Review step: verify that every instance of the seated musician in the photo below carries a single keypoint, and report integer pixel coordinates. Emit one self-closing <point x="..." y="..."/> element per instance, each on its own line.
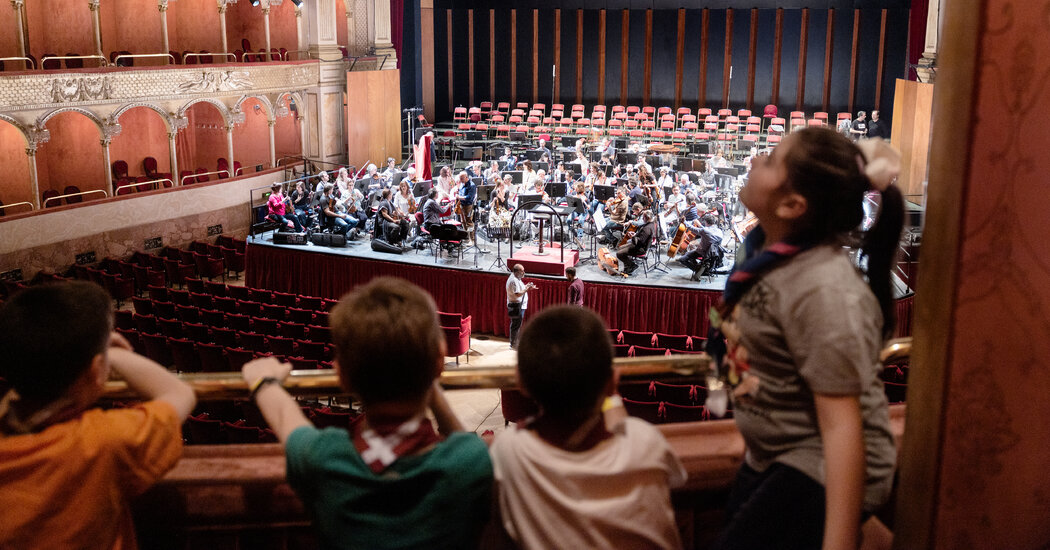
<point x="560" y="173"/>
<point x="411" y="176"/>
<point x="322" y="180"/>
<point x="578" y="190"/>
<point x="638" y="244"/>
<point x="665" y="180"/>
<point x="405" y="203"/>
<point x="433" y="211"/>
<point x="353" y="203"/>
<point x="278" y="211"/>
<point x="543" y="147"/>
<point x="528" y="174"/>
<point x="334" y="214"/>
<point x="499" y="212"/>
<point x="391" y="169"/>
<point x="605" y="159"/>
<point x="538" y="187"/>
<point x="607" y="150"/>
<point x="510" y="160"/>
<point x="580" y="159"/>
<point x="701" y="246"/>
<point x="468" y="193"/>
<point x="473" y="169"/>
<point x="343" y="182"/>
<point x="637" y="193"/>
<point x="492" y="172"/>
<point x="394" y="227"/>
<point x="301" y="203"/>
<point x="444" y="184"/>
<point x="616" y="210"/>
<point x="718" y="160"/>
<point x="691" y="214"/>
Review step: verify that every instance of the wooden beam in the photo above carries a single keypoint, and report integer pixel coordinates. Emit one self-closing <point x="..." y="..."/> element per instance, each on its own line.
<point x="829" y="50"/>
<point x="727" y="65"/>
<point x="601" y="57"/>
<point x="853" y="60"/>
<point x="513" y="58"/>
<point x="448" y="31"/>
<point x="426" y="24"/>
<point x="625" y="49"/>
<point x="800" y="88"/>
<point x="705" y="19"/>
<point x="882" y="53"/>
<point x="535" y="56"/>
<point x="470" y="55"/>
<point x="557" y="56"/>
<point x="679" y="52"/>
<point x="778" y="42"/>
<point x="579" y="56"/>
<point x="752" y="51"/>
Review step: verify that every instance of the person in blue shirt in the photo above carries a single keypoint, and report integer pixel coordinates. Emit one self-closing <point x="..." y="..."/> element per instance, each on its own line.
<point x="468" y="193"/>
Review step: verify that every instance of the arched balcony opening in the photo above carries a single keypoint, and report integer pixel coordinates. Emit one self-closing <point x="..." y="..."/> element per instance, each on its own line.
<point x="16" y="183"/>
<point x="251" y="140"/>
<point x="202" y="146"/>
<point x="140" y="151"/>
<point x="72" y="160"/>
<point x="288" y="132"/>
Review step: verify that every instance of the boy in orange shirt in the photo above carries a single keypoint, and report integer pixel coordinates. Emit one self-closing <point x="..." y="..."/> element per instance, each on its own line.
<point x="67" y="470"/>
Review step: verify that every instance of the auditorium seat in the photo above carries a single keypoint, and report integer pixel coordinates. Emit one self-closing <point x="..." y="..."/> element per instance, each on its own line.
<point x="316" y="333"/>
<point x="325" y="418"/>
<point x="196" y="332"/>
<point x="209" y="267"/>
<point x="233" y="261"/>
<point x="195" y="285"/>
<point x="238" y="321"/>
<point x="295" y="331"/>
<point x="645" y="351"/>
<point x="279" y="345"/>
<point x="635" y="338"/>
<point x="212" y="357"/>
<point x="684" y="413"/>
<point x="202" y="430"/>
<point x="650" y="411"/>
<point x="300" y="363"/>
<point x="184" y="355"/>
<point x="312" y="303"/>
<point x="252" y="341"/>
<point x="265" y="326"/>
<point x="237" y="357"/>
<point x="516" y="406"/>
<point x="678" y="394"/>
<point x="157" y="348"/>
<point x="225" y="337"/>
<point x="676" y="341"/>
<point x="215" y="289"/>
<point x="212" y="317"/>
<point x="172" y="328"/>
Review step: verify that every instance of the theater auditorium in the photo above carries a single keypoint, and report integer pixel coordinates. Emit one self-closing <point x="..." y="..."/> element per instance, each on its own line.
<point x="228" y="170"/>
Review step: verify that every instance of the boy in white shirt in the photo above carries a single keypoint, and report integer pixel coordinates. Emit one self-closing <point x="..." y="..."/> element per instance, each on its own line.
<point x="565" y="479"/>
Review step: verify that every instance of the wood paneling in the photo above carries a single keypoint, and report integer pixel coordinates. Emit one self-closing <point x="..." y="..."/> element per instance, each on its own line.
<point x="778" y="42"/>
<point x="705" y="21"/>
<point x="647" y="73"/>
<point x="625" y="49"/>
<point x="829" y="43"/>
<point x="911" y="133"/>
<point x="803" y="38"/>
<point x="679" y="52"/>
<point x="727" y="66"/>
<point x="751" y="53"/>
<point x="373" y="129"/>
<point x="601" y="56"/>
<point x="426" y="23"/>
<point x="448" y="34"/>
<point x="513" y="57"/>
<point x="470" y="57"/>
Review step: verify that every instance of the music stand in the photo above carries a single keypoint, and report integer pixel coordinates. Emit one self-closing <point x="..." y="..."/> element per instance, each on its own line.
<point x="545" y="166"/>
<point x="534" y="154"/>
<point x="518" y="136"/>
<point x="604" y="192"/>
<point x="421" y="188"/>
<point x="558" y="189"/>
<point x="361" y="186"/>
<point x="515" y="176"/>
<point x="395" y="180"/>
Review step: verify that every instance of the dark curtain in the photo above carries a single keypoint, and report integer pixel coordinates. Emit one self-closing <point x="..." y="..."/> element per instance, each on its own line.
<point x="397" y="26"/>
<point x="670" y="310"/>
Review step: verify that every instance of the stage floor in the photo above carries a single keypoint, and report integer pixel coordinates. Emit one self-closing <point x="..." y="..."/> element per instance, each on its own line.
<point x="676" y="276"/>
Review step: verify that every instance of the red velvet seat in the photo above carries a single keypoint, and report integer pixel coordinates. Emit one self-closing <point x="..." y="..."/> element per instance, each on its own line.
<point x="213" y="358"/>
<point x="635" y="338"/>
<point x="184" y="354"/>
<point x="457" y="334"/>
<point x="516" y="406"/>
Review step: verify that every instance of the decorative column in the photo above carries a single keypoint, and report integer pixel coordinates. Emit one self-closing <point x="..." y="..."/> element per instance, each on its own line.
<point x="178" y="123"/>
<point x="17" y="5"/>
<point x="320" y="16"/>
<point x="383" y="43"/>
<point x="110" y="130"/>
<point x="273" y="146"/>
<point x="299" y="30"/>
<point x="351" y="45"/>
<point x="927" y="64"/>
<point x="222" y="22"/>
<point x="266" y="27"/>
<point x="96" y="25"/>
<point x="229" y="148"/>
<point x="162" y="6"/>
<point x="35" y="136"/>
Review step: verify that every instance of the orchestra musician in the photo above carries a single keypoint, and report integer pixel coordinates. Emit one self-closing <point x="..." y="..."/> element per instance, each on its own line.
<point x="638" y="244"/>
<point x="278" y="211"/>
<point x="665" y="180"/>
<point x="391" y="169"/>
<point x="468" y="193"/>
<point x="301" y="203"/>
<point x="606" y="148"/>
<point x="543" y="147"/>
<point x="538" y="185"/>
<point x="499" y="211"/>
<point x="701" y="247"/>
<point x="404" y="202"/>
<point x="616" y="210"/>
<point x="492" y="173"/>
<point x="444" y="184"/>
<point x="647" y="183"/>
<point x="527" y="174"/>
<point x="411" y="176"/>
<point x="560" y="173"/>
<point x="334" y="214"/>
<point x="510" y="160"/>
<point x="393" y="223"/>
<point x="322" y="181"/>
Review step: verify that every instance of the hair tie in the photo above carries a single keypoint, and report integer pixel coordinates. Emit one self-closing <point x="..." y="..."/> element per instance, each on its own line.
<point x="881" y="162"/>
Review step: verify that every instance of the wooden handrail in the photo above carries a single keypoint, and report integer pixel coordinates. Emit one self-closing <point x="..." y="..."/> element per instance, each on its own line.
<point x="116" y="60"/>
<point x="27" y="59"/>
<point x="102" y="58"/>
<point x="117" y="190"/>
<point x="59" y="197"/>
<point x="3" y="206"/>
<point x="182" y="181"/>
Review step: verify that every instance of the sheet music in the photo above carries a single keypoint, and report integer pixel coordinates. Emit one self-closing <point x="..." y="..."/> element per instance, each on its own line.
<point x="599" y="220"/>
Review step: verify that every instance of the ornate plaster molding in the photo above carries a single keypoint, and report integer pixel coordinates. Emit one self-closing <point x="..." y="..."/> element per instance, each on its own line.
<point x="215" y="81"/>
<point x="83" y="88"/>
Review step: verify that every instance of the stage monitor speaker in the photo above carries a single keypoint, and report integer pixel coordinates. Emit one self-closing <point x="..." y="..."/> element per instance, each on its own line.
<point x="420" y="132"/>
<point x="328" y="239"/>
<point x="379" y="245"/>
<point x="285" y="237"/>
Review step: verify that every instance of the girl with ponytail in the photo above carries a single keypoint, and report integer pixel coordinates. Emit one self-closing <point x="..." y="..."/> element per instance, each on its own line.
<point x="798" y="336"/>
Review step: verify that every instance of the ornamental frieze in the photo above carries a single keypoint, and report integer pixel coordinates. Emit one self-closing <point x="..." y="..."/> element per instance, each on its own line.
<point x="41" y="90"/>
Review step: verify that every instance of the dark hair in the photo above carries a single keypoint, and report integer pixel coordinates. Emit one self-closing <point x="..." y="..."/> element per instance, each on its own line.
<point x="570" y="271"/>
<point x="50" y="334"/>
<point x="388" y="341"/>
<point x="565" y="360"/>
<point x="825" y="167"/>
<point x="709" y="219"/>
<point x="432" y="193"/>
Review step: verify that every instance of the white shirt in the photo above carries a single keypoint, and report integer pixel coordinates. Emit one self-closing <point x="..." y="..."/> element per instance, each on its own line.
<point x="516" y="286"/>
<point x="614" y="495"/>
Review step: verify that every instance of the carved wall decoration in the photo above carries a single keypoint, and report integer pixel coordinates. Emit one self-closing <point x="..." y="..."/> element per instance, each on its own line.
<point x="215" y="81"/>
<point x="64" y="90"/>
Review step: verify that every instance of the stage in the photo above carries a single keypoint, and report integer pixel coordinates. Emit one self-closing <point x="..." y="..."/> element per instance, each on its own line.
<point x="662" y="302"/>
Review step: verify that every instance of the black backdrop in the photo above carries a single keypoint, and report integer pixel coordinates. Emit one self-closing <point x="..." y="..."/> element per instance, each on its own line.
<point x="664" y="37"/>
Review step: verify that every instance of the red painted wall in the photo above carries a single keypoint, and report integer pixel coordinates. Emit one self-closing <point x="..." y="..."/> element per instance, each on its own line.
<point x="287" y="135"/>
<point x="131" y="25"/>
<point x="143" y="135"/>
<point x="282" y="27"/>
<point x="72" y="17"/>
<point x="340" y="23"/>
<point x="194" y="25"/>
<point x="8" y="38"/>
<point x="251" y="140"/>
<point x="204" y="139"/>
<point x="246" y="21"/>
<point x="73" y="155"/>
<point x="15" y="185"/>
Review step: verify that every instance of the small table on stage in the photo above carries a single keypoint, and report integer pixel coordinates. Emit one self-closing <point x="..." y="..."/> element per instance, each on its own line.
<point x="541" y="213"/>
